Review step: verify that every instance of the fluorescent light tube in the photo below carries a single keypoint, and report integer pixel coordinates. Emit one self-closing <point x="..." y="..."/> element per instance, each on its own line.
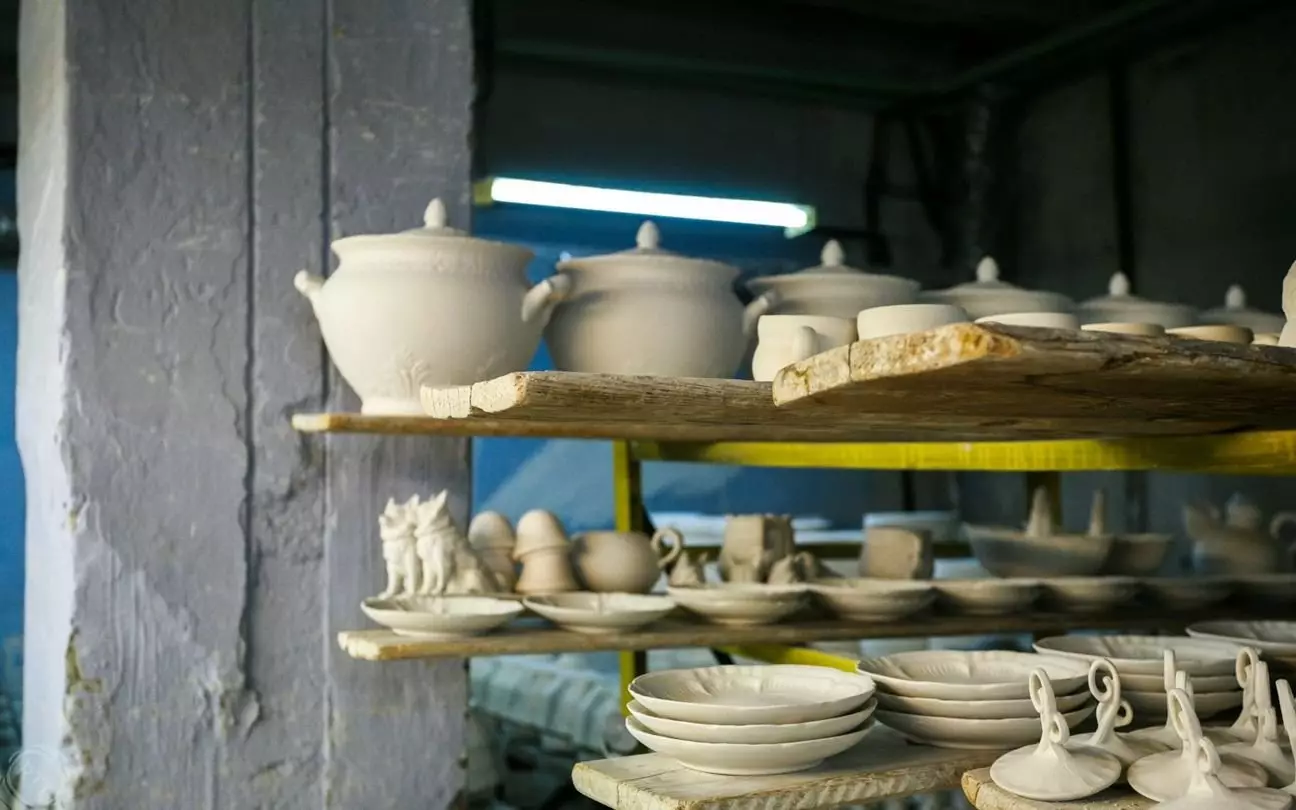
<point x="682" y="206"/>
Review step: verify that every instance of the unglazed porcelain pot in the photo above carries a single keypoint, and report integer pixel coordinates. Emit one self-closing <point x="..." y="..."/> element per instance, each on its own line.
<point x="1121" y="305"/>
<point x="624" y="562"/>
<point x="832" y="289"/>
<point x="988" y="295"/>
<point x="649" y="311"/>
<point x="1236" y="312"/>
<point x="427" y="307"/>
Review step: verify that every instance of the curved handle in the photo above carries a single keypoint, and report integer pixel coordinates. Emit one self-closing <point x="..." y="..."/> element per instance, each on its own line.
<point x="540" y="300"/>
<point x="1041" y="694"/>
<point x="676" y="546"/>
<point x="1183" y="716"/>
<point x="1288" y="708"/>
<point x="805" y="343"/>
<point x="758" y="307"/>
<point x="1279" y="521"/>
<point x="308" y="284"/>
<point x="1113" y="713"/>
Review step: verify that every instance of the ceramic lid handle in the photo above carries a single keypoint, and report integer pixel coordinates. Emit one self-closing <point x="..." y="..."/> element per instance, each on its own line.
<point x="832" y="254"/>
<point x="1119" y="286"/>
<point x="434" y="216"/>
<point x="648" y="237"/>
<point x="1235" y="298"/>
<point x="987" y="269"/>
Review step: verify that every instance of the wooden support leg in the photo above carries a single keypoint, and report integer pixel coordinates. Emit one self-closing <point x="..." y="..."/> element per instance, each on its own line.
<point x="628" y="510"/>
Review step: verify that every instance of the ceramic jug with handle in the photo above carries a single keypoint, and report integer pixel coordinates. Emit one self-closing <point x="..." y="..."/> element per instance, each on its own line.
<point x="1238" y="543"/>
<point x="624" y="562"/>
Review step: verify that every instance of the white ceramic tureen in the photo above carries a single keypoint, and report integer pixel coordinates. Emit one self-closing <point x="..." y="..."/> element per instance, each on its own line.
<point x="833" y="289"/>
<point x="431" y="306"/>
<point x="649" y="311"/>
<point x="1119" y="305"/>
<point x="989" y="296"/>
<point x="1236" y="312"/>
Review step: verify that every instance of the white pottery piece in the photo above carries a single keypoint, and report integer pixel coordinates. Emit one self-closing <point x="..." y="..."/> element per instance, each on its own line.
<point x="1039" y="551"/>
<point x="896" y="552"/>
<point x="596" y="613"/>
<point x="1266" y="338"/>
<point x="735" y="759"/>
<point x="1239" y="543"/>
<point x="1288" y="335"/>
<point x="1088" y="594"/>
<point x="649" y="311"/>
<point x="426" y="554"/>
<point x="1125" y="328"/>
<point x="688" y="570"/>
<point x="1265" y="748"/>
<point x="987" y="597"/>
<point x="741" y="604"/>
<point x="1187" y="593"/>
<point x="437" y="617"/>
<point x="1205" y="791"/>
<point x="1146" y="654"/>
<point x="1049" y="770"/>
<point x="1166" y="776"/>
<point x="1277" y="637"/>
<point x="795" y="568"/>
<point x="904" y="319"/>
<point x="396" y="528"/>
<point x="1288" y="707"/>
<point x="752" y="733"/>
<point x="752" y="543"/>
<point x="1038" y="320"/>
<point x="1009" y="709"/>
<point x="989" y="296"/>
<point x="1236" y="312"/>
<point x="832" y="289"/>
<point x="624" y="562"/>
<point x="428" y="307"/>
<point x="1168" y="734"/>
<point x="1113" y="713"/>
<point x="1132" y="555"/>
<point x="1121" y="305"/>
<point x="787" y="339"/>
<point x="491" y="535"/>
<point x="543" y="550"/>
<point x="746" y="695"/>
<point x="873" y="599"/>
<point x="957" y="732"/>
<point x="970" y="675"/>
<point x="1219" y="333"/>
<point x="1205" y="704"/>
<point x="1156" y="683"/>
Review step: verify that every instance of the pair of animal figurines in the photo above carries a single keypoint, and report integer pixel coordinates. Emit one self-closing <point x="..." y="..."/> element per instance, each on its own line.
<point x="425" y="552"/>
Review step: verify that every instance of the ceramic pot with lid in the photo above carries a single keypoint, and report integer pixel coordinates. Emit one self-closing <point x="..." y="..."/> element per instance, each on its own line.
<point x="1235" y="312"/>
<point x="989" y="296"/>
<point x="831" y="289"/>
<point x="427" y="307"/>
<point x="650" y="311"/>
<point x="1122" y="306"/>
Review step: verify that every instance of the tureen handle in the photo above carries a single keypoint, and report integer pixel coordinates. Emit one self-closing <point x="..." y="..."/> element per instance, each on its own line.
<point x="758" y="307"/>
<point x="308" y="284"/>
<point x="540" y="300"/>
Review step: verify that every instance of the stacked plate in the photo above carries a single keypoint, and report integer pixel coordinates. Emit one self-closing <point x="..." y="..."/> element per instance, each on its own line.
<point x="978" y="699"/>
<point x="1140" y="662"/>
<point x="1276" y="641"/>
<point x="750" y="720"/>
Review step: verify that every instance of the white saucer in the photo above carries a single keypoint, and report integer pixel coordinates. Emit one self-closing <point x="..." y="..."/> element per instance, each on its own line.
<point x="440" y="617"/>
<point x="957" y="732"/>
<point x="875" y="600"/>
<point x="740" y="604"/>
<point x="987" y="597"/>
<point x="970" y="675"/>
<point x="595" y="613"/>
<point x="1206" y="704"/>
<point x="739" y="695"/>
<point x="1145" y="654"/>
<point x="732" y="759"/>
<point x="975" y="709"/>
<point x="751" y="734"/>
<point x="1088" y="594"/>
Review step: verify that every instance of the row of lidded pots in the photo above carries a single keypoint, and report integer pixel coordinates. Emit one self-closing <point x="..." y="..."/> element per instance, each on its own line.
<point x="436" y="307"/>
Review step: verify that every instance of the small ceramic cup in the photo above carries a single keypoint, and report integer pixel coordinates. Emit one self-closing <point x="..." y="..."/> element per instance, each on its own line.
<point x="787" y="339"/>
<point x="901" y="319"/>
<point x="1041" y="320"/>
<point x="1118" y="328"/>
<point x="1223" y="333"/>
<point x="1265" y="339"/>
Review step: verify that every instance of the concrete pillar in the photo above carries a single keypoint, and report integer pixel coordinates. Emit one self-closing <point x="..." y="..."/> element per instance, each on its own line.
<point x="190" y="559"/>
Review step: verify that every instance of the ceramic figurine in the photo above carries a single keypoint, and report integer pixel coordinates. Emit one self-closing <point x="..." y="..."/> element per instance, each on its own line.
<point x="491" y="535"/>
<point x="396" y="527"/>
<point x="449" y="565"/>
<point x="624" y="562"/>
<point x="543" y="550"/>
<point x="1238" y="543"/>
<point x="751" y="545"/>
<point x="1288" y="335"/>
<point x="688" y="571"/>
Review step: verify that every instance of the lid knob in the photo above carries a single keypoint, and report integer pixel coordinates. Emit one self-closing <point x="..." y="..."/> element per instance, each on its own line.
<point x="1235" y="298"/>
<point x="987" y="269"/>
<point x="435" y="215"/>
<point x="1119" y="286"/>
<point x="648" y="236"/>
<point x="832" y="255"/>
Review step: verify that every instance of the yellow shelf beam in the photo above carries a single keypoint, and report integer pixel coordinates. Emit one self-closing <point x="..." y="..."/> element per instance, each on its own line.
<point x="1254" y="453"/>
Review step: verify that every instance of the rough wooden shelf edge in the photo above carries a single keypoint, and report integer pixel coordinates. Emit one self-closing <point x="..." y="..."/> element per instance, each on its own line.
<point x="384" y="645"/>
<point x="984" y="794"/>
<point x="880" y="767"/>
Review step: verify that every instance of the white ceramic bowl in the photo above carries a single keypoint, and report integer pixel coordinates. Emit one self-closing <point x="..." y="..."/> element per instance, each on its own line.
<point x="1088" y="594"/>
<point x="1265" y="338"/>
<point x="958" y="732"/>
<point x="971" y="675"/>
<point x="903" y="319"/>
<point x="1145" y="654"/>
<point x="1012" y="708"/>
<point x="594" y="613"/>
<point x="752" y="734"/>
<point x="739" y="695"/>
<point x="741" y="604"/>
<point x="986" y="597"/>
<point x="734" y="759"/>
<point x="434" y="617"/>
<point x="1137" y="555"/>
<point x="865" y="599"/>
<point x="1010" y="553"/>
<point x="1187" y="593"/>
<point x="1208" y="704"/>
<point x="1039" y="320"/>
<point x="1266" y="636"/>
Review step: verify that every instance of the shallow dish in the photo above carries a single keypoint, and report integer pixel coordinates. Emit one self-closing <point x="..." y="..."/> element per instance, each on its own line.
<point x="594" y="613"/>
<point x="1088" y="594"/>
<point x="1267" y="636"/>
<point x="975" y="709"/>
<point x="865" y="599"/>
<point x="1011" y="553"/>
<point x="975" y="675"/>
<point x="957" y="732"/>
<point x="987" y="597"/>
<point x="739" y="604"/>
<point x="434" y="617"/>
<point x="1187" y="592"/>
<point x="1137" y="555"/>
<point x="1156" y="683"/>
<point x="1146" y="654"/>
<point x="752" y="734"/>
<point x="745" y="695"/>
<point x="1207" y="704"/>
<point x="736" y="759"/>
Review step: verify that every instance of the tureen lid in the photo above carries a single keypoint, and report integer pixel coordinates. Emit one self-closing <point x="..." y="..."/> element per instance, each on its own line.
<point x="1235" y="311"/>
<point x="987" y="280"/>
<point x="434" y="233"/>
<point x="833" y="272"/>
<point x="1120" y="304"/>
<point x="647" y="252"/>
<point x="988" y="290"/>
<point x="831" y="260"/>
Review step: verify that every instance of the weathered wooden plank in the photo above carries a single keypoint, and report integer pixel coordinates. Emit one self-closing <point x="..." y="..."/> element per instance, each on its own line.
<point x="881" y="767"/>
<point x="984" y="794"/>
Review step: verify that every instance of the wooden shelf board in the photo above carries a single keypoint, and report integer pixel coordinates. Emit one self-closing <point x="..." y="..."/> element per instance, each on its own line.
<point x="984" y="794"/>
<point x="385" y="645"/>
<point x="881" y="767"/>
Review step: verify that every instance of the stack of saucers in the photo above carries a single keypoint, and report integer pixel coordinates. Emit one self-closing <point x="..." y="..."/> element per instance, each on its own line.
<point x="750" y="720"/>
<point x="1139" y="660"/>
<point x="977" y="699"/>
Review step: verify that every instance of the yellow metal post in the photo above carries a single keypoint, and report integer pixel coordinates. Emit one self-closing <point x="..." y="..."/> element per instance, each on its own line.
<point x="627" y="502"/>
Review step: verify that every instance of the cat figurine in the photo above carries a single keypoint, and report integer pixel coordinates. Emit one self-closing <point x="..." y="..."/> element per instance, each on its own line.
<point x="396" y="528"/>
